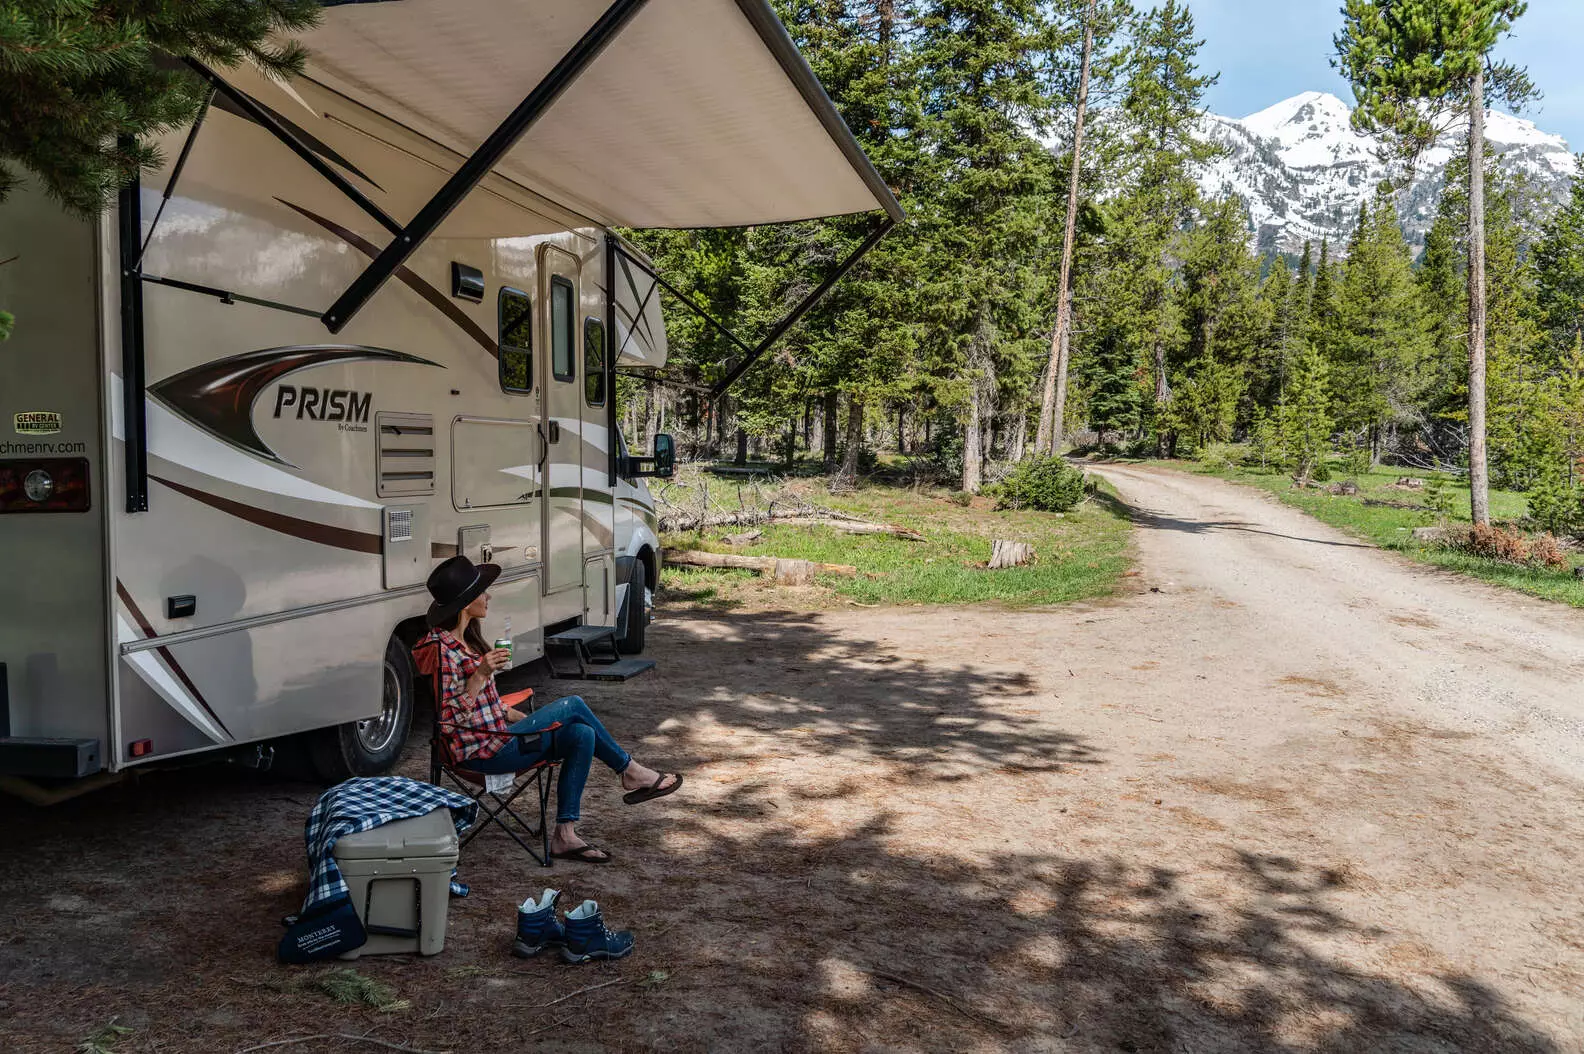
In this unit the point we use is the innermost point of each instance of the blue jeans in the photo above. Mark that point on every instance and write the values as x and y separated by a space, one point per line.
579 740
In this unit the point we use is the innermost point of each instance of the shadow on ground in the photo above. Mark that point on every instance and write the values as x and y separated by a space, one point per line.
762 925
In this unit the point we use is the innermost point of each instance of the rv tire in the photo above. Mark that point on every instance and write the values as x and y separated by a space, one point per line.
370 747
634 613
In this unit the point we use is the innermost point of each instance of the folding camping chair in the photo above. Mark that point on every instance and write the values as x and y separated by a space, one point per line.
494 807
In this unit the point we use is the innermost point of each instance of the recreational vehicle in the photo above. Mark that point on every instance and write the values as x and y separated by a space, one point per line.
358 322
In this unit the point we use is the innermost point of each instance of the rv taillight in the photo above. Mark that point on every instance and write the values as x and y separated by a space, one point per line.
141 748
49 485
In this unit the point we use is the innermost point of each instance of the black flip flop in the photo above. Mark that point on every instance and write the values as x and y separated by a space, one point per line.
581 855
654 790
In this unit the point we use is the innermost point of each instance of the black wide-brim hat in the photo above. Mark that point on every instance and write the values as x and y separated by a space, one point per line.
455 584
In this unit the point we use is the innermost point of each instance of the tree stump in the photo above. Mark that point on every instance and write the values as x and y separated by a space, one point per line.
1004 554
794 572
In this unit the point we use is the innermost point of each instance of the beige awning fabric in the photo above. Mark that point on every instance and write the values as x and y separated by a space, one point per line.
699 114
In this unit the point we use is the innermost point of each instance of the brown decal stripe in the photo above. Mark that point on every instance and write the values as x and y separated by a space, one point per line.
321 533
441 551
164 653
441 302
218 396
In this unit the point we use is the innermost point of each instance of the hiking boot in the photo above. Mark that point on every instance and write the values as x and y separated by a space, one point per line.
587 938
537 926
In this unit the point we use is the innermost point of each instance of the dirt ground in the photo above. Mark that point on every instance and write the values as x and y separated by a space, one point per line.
1290 793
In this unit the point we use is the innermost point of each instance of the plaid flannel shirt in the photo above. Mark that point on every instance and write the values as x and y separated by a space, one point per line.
363 804
476 729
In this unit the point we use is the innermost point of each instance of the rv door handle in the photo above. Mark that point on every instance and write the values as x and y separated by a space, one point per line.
555 431
544 451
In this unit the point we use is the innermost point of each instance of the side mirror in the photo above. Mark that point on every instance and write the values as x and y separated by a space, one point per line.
664 456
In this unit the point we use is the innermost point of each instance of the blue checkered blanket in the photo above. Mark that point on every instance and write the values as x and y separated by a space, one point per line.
363 804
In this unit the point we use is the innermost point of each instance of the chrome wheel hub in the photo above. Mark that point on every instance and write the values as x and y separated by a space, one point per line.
376 733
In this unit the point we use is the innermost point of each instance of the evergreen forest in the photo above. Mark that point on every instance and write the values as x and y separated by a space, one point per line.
940 345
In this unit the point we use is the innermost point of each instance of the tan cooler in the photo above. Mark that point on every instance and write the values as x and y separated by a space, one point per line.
399 876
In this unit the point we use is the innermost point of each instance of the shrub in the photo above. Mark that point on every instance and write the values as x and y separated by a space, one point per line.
961 498
1514 547
1218 457
1045 483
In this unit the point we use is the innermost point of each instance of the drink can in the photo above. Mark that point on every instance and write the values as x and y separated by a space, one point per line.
505 644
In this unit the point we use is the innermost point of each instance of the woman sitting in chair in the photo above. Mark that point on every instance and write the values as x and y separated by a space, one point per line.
484 736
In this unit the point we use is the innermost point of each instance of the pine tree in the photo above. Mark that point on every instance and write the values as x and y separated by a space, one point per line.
1111 375
1559 261
1303 421
1164 99
1411 62
981 87
87 83
1377 342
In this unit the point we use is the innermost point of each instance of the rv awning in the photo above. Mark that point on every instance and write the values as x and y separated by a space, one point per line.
698 113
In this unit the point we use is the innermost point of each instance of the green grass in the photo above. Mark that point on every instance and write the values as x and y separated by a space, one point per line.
1369 516
1081 555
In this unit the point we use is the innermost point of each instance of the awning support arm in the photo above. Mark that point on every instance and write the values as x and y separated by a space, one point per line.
697 308
267 121
482 160
754 354
797 313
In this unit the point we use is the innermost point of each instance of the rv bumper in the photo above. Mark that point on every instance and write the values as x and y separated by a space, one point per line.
38 757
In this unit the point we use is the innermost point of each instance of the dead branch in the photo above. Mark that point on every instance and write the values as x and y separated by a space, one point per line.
569 995
965 1011
339 1035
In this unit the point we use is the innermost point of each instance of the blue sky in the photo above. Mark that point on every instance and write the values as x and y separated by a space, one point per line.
1269 50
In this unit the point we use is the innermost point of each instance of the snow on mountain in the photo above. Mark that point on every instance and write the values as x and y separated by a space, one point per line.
1303 171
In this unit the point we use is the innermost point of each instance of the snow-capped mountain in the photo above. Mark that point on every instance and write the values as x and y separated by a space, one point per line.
1302 170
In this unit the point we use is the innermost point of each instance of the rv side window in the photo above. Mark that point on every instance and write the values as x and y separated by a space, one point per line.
561 300
516 341
594 361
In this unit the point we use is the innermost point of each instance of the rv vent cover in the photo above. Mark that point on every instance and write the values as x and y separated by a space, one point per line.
406 455
399 525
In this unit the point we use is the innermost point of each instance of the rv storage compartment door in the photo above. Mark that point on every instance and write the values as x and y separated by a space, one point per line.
599 591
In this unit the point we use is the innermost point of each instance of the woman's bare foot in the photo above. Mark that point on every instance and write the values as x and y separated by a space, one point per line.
564 839
638 777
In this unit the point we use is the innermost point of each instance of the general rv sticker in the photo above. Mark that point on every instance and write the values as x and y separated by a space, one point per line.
37 423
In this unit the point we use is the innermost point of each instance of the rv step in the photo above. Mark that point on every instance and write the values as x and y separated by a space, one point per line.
620 670
587 646
581 635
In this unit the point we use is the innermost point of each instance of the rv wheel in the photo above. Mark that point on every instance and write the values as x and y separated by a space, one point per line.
371 746
635 611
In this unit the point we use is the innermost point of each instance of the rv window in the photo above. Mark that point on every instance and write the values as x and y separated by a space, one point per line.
561 300
594 361
516 341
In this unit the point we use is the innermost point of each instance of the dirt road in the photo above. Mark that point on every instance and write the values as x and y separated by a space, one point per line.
1302 798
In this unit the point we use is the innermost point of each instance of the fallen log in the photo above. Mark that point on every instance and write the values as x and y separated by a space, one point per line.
788 572
1004 554
854 527
802 515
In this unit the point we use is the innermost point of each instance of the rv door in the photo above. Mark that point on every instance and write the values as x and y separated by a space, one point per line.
559 379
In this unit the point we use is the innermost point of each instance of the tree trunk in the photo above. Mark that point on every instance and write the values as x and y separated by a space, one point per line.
791 443
1017 438
828 423
902 430
973 456
742 448
855 435
1053 402
808 424
1479 469
981 371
